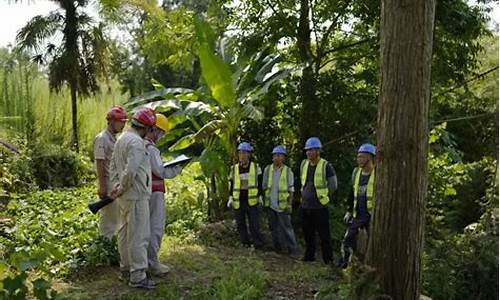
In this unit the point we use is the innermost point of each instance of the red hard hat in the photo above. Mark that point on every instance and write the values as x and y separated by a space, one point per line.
117 113
144 117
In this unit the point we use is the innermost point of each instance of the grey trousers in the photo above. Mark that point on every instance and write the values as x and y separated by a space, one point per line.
282 231
133 237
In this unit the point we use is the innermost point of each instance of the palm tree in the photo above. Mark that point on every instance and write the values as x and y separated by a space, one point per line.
77 60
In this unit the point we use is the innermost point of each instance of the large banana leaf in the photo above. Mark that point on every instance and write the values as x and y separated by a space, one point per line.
160 94
205 132
214 71
248 111
183 143
211 162
171 136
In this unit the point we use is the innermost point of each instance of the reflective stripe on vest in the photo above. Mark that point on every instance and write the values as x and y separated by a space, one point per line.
157 184
320 181
369 189
252 185
282 188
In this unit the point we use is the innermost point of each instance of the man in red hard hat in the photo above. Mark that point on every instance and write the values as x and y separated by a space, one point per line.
131 178
104 144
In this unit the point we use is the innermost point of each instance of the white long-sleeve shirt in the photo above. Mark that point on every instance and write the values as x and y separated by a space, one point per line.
157 165
131 167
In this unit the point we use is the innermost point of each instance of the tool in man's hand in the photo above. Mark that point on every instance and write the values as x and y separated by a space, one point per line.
96 206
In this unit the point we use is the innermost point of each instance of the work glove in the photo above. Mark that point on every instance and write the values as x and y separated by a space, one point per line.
229 202
347 217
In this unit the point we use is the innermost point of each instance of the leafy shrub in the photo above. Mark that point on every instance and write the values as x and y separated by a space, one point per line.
462 264
186 202
97 252
16 174
16 283
59 220
55 166
465 266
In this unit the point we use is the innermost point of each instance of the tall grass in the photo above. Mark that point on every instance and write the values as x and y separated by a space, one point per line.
53 114
28 109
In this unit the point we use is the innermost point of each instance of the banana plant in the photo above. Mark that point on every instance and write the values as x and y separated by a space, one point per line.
211 115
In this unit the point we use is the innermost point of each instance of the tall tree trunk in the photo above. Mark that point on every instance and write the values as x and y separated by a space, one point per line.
70 32
396 241
307 87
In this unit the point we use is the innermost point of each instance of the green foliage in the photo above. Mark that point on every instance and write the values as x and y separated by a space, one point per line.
55 166
100 251
460 258
29 110
186 202
213 119
465 265
58 222
238 283
15 170
16 283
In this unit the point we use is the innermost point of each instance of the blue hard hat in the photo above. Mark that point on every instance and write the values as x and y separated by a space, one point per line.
312 143
280 149
367 148
245 147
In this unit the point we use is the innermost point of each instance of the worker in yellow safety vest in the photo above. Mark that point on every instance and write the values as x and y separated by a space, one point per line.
278 189
360 200
246 195
318 182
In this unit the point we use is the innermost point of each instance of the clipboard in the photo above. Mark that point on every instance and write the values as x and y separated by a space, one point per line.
181 159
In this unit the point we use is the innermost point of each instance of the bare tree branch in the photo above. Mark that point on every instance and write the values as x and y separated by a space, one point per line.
340 48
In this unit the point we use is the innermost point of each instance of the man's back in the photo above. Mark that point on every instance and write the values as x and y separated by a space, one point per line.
130 166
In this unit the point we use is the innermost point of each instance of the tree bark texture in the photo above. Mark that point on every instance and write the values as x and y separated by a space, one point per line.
307 87
396 240
70 32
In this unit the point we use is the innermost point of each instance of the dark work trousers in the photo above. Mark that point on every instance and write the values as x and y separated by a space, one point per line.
317 220
353 230
282 231
252 212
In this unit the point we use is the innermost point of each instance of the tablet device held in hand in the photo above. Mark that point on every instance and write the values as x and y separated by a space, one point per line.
179 160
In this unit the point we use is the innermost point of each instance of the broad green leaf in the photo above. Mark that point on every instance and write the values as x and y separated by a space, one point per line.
197 108
175 119
269 63
170 136
210 162
204 32
213 69
208 130
156 95
15 285
217 76
182 143
248 111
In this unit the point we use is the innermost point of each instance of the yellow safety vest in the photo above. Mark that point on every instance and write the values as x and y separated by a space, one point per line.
320 181
369 189
282 189
252 185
